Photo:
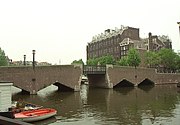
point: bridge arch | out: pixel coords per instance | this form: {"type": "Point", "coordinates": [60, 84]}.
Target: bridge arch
{"type": "Point", "coordinates": [146, 82]}
{"type": "Point", "coordinates": [124, 83]}
{"type": "Point", "coordinates": [62, 87]}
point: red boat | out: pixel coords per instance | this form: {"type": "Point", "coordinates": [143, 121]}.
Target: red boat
{"type": "Point", "coordinates": [35, 115]}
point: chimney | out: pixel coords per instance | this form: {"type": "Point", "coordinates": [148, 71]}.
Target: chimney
{"type": "Point", "coordinates": [150, 41]}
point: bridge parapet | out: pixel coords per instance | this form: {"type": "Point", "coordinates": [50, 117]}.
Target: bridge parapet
{"type": "Point", "coordinates": [94, 69]}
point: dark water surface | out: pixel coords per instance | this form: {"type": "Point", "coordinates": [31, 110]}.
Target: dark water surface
{"type": "Point", "coordinates": [159, 105]}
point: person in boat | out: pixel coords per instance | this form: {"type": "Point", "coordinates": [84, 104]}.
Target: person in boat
{"type": "Point", "coordinates": [20, 105]}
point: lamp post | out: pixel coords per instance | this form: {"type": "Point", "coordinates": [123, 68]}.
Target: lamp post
{"type": "Point", "coordinates": [24, 59]}
{"type": "Point", "coordinates": [179, 26]}
{"type": "Point", "coordinates": [33, 52]}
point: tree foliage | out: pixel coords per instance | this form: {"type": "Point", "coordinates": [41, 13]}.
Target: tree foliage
{"type": "Point", "coordinates": [80, 61]}
{"type": "Point", "coordinates": [123, 61]}
{"type": "Point", "coordinates": [165, 58]}
{"type": "Point", "coordinates": [3, 58]}
{"type": "Point", "coordinates": [152, 59]}
{"type": "Point", "coordinates": [133, 58]}
{"type": "Point", "coordinates": [108, 59]}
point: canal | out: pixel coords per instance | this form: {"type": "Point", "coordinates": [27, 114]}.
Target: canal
{"type": "Point", "coordinates": [158, 105]}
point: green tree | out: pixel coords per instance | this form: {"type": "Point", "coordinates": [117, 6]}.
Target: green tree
{"type": "Point", "coordinates": [80, 61]}
{"type": "Point", "coordinates": [177, 62]}
{"type": "Point", "coordinates": [108, 59]}
{"type": "Point", "coordinates": [3, 58]}
{"type": "Point", "coordinates": [123, 61]}
{"type": "Point", "coordinates": [133, 58]}
{"type": "Point", "coordinates": [152, 59]}
{"type": "Point", "coordinates": [168, 58]}
{"type": "Point", "coordinates": [92, 62]}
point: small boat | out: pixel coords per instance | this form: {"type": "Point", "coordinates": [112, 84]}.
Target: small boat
{"type": "Point", "coordinates": [35, 114]}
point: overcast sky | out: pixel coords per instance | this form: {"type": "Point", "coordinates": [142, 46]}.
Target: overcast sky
{"type": "Point", "coordinates": [59, 30]}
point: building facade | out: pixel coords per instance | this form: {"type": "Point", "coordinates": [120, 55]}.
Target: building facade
{"type": "Point", "coordinates": [118, 42]}
{"type": "Point", "coordinates": [109, 42]}
{"type": "Point", "coordinates": [155, 43]}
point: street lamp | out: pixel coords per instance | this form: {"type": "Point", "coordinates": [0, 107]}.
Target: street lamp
{"type": "Point", "coordinates": [24, 59]}
{"type": "Point", "coordinates": [33, 52]}
{"type": "Point", "coordinates": [179, 26]}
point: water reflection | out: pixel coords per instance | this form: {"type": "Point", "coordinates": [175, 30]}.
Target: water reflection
{"type": "Point", "coordinates": [84, 93]}
{"type": "Point", "coordinates": [157, 105]}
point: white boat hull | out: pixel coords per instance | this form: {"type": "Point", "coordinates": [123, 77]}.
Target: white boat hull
{"type": "Point", "coordinates": [38, 118]}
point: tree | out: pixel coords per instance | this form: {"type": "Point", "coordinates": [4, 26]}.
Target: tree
{"type": "Point", "coordinates": [80, 61]}
{"type": "Point", "coordinates": [152, 59]}
{"type": "Point", "coordinates": [92, 62]}
{"type": "Point", "coordinates": [167, 58]}
{"type": "Point", "coordinates": [123, 61]}
{"type": "Point", "coordinates": [3, 58]}
{"type": "Point", "coordinates": [108, 59]}
{"type": "Point", "coordinates": [177, 62]}
{"type": "Point", "coordinates": [133, 58]}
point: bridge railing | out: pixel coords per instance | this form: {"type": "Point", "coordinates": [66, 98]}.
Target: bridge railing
{"type": "Point", "coordinates": [94, 69]}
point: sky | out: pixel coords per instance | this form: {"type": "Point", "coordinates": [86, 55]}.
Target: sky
{"type": "Point", "coordinates": [59, 30]}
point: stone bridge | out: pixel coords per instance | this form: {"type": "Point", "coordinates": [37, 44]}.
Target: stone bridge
{"type": "Point", "coordinates": [68, 77]}
{"type": "Point", "coordinates": [116, 76]}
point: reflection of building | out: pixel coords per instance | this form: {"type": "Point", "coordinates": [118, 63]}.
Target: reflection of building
{"type": "Point", "coordinates": [118, 42]}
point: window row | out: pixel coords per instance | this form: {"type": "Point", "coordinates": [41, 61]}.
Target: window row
{"type": "Point", "coordinates": [103, 44]}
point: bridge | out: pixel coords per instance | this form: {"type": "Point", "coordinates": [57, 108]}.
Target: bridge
{"type": "Point", "coordinates": [111, 76]}
{"type": "Point", "coordinates": [31, 80]}
{"type": "Point", "coordinates": [68, 77]}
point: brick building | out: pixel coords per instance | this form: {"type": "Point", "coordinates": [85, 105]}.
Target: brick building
{"type": "Point", "coordinates": [108, 42]}
{"type": "Point", "coordinates": [118, 42]}
{"type": "Point", "coordinates": [155, 43]}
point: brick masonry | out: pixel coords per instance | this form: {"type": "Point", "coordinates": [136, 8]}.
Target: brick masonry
{"type": "Point", "coordinates": [34, 80]}
{"type": "Point", "coordinates": [69, 76]}
{"type": "Point", "coordinates": [116, 74]}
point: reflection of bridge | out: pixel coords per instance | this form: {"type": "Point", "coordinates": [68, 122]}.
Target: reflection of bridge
{"type": "Point", "coordinates": [68, 77]}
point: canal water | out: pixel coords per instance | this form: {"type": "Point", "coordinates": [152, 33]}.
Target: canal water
{"type": "Point", "coordinates": [158, 105]}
